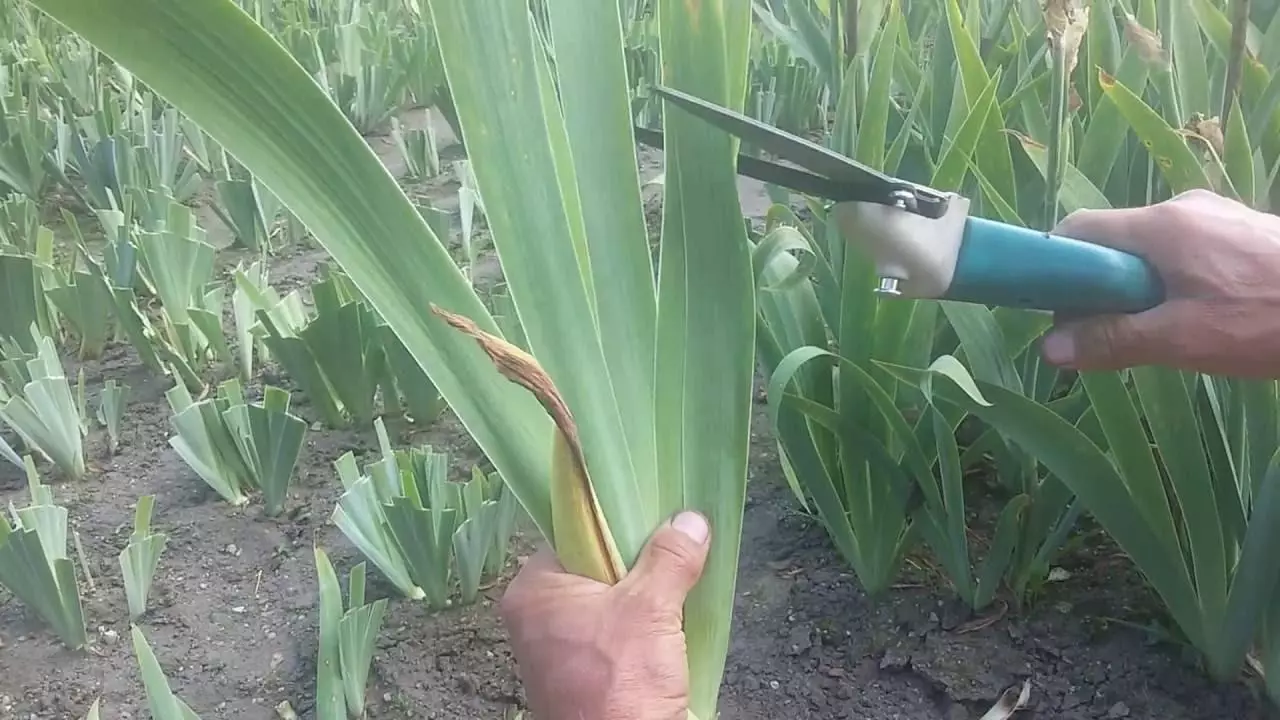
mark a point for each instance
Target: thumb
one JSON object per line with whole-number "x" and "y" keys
{"x": 672, "y": 561}
{"x": 1113, "y": 342}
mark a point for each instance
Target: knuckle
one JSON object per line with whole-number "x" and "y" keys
{"x": 1195, "y": 195}
{"x": 676, "y": 553}
{"x": 1077, "y": 220}
{"x": 1108, "y": 343}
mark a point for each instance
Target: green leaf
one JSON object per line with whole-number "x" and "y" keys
{"x": 874, "y": 121}
{"x": 954, "y": 165}
{"x": 1104, "y": 136}
{"x": 1238, "y": 156}
{"x": 164, "y": 705}
{"x": 421, "y": 396}
{"x": 269, "y": 439}
{"x": 45, "y": 584}
{"x": 706, "y": 309}
{"x": 359, "y": 515}
{"x": 1170, "y": 151}
{"x": 594, "y": 97}
{"x": 330, "y": 699}
{"x": 1078, "y": 191}
{"x": 1131, "y": 451}
{"x": 1004, "y": 543}
{"x": 1190, "y": 62}
{"x": 992, "y": 152}
{"x": 1255, "y": 578}
{"x": 141, "y": 557}
{"x": 1167, "y": 406}
{"x": 222, "y": 70}
{"x": 1067, "y": 453}
{"x": 45, "y": 413}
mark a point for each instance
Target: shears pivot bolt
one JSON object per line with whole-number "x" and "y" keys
{"x": 889, "y": 286}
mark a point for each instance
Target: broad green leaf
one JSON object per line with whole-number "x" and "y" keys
{"x": 1238, "y": 156}
{"x": 1177, "y": 162}
{"x": 992, "y": 152}
{"x": 1069, "y": 454}
{"x": 1190, "y": 62}
{"x": 593, "y": 94}
{"x": 954, "y": 165}
{"x": 222, "y": 70}
{"x": 330, "y": 698}
{"x": 164, "y": 705}
{"x": 1078, "y": 192}
{"x": 1170, "y": 415}
{"x": 519, "y": 167}
{"x": 1131, "y": 451}
{"x": 874, "y": 117}
{"x": 1106, "y": 131}
{"x": 706, "y": 310}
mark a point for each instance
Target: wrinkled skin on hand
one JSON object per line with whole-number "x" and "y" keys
{"x": 1220, "y": 262}
{"x": 597, "y": 652}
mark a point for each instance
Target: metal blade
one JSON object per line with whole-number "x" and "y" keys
{"x": 799, "y": 180}
{"x": 872, "y": 186}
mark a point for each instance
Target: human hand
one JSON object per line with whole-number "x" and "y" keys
{"x": 1220, "y": 262}
{"x": 598, "y": 652}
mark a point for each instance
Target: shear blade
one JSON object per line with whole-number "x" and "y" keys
{"x": 825, "y": 173}
{"x": 797, "y": 179}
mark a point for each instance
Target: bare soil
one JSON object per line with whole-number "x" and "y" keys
{"x": 233, "y": 612}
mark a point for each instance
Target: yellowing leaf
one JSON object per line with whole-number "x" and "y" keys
{"x": 581, "y": 535}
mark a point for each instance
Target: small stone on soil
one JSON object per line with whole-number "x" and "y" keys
{"x": 1119, "y": 710}
{"x": 895, "y": 658}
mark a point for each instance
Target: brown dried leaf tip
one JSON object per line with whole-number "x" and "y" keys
{"x": 1065, "y": 23}
{"x": 522, "y": 369}
{"x": 1149, "y": 43}
{"x": 1208, "y": 131}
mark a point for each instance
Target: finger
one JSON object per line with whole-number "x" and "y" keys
{"x": 1133, "y": 230}
{"x": 672, "y": 561}
{"x": 1114, "y": 342}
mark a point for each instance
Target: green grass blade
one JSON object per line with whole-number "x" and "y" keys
{"x": 983, "y": 342}
{"x": 1078, "y": 192}
{"x": 1004, "y": 544}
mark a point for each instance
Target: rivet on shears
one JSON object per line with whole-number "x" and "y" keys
{"x": 902, "y": 199}
{"x": 889, "y": 286}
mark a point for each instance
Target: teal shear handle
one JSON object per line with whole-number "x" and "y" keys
{"x": 1010, "y": 266}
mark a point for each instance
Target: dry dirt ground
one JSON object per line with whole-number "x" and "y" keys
{"x": 233, "y": 615}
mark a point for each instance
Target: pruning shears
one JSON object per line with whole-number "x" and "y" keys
{"x": 923, "y": 241}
